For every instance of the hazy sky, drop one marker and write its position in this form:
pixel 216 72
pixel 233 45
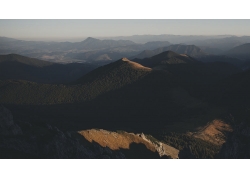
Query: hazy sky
pixel 66 29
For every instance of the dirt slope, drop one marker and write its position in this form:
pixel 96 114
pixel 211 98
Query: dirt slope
pixel 214 132
pixel 122 140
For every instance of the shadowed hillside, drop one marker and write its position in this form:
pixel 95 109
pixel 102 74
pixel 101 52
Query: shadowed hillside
pixel 242 52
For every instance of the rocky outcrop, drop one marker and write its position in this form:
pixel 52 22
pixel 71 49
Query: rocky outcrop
pixel 45 142
pixel 237 145
pixel 162 148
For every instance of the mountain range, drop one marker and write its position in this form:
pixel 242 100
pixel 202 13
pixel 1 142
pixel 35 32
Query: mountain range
pixel 90 50
pixel 172 101
pixel 190 50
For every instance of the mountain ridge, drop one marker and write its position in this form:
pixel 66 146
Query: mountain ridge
pixel 190 50
pixel 241 51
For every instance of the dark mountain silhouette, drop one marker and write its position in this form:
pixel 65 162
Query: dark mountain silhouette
pixel 14 66
pixel 242 52
pixel 190 50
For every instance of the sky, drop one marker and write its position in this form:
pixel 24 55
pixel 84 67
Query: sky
pixel 70 29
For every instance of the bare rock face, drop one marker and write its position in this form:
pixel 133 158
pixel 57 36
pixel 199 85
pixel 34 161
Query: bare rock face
pixel 237 145
pixel 7 125
pixel 163 149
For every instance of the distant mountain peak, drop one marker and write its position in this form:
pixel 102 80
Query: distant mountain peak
pixel 90 39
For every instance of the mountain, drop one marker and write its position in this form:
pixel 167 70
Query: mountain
pixel 167 67
pixel 101 80
pixel 19 67
pixel 24 60
pixel 88 43
pixel 92 43
pixel 190 50
pixel 155 44
pixel 167 57
pixel 242 52
pixel 116 74
pixel 90 50
pixel 175 39
pixel 223 44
